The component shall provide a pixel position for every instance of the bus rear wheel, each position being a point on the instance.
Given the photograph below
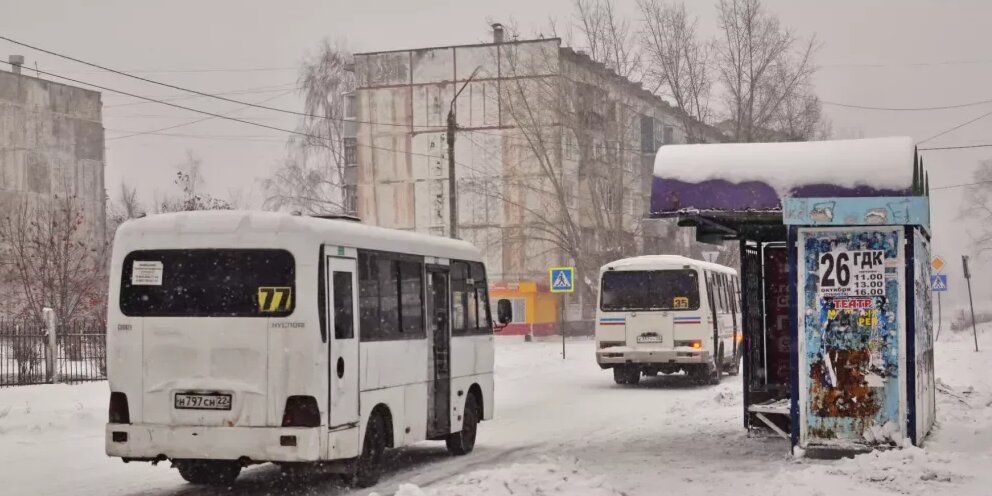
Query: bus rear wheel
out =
(626, 374)
(368, 466)
(209, 472)
(463, 442)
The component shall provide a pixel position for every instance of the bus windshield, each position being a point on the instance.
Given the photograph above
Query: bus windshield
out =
(632, 290)
(208, 283)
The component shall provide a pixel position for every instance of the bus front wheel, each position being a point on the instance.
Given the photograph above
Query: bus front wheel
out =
(209, 472)
(463, 442)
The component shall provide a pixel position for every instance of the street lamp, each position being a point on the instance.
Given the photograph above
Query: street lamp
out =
(452, 124)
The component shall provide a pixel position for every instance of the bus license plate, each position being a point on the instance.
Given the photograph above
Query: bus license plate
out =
(188, 401)
(648, 339)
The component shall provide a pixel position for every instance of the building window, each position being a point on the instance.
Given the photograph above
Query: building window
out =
(647, 134)
(669, 137)
(350, 199)
(350, 106)
(350, 151)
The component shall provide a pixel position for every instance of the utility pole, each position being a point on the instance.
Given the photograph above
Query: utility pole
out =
(971, 301)
(452, 124)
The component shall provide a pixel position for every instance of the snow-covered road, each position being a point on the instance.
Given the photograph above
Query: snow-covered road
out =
(561, 427)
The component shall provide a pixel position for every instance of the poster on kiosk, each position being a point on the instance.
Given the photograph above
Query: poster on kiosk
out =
(861, 295)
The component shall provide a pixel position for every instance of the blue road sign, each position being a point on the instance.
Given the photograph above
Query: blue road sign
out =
(938, 282)
(562, 279)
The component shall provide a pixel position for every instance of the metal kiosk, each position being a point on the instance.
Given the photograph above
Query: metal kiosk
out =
(834, 242)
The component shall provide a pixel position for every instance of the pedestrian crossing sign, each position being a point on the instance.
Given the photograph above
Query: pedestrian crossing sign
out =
(938, 282)
(562, 279)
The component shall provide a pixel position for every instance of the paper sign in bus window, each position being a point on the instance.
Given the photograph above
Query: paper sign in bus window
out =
(274, 299)
(680, 302)
(146, 273)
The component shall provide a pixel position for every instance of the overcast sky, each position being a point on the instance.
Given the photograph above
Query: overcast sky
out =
(893, 53)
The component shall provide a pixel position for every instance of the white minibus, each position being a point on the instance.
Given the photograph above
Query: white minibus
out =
(237, 338)
(666, 313)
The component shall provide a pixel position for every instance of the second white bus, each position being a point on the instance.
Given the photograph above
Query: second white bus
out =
(238, 338)
(666, 314)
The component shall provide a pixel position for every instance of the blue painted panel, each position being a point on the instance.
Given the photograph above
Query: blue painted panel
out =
(850, 364)
(882, 211)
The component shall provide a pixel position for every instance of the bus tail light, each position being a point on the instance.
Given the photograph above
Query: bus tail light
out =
(301, 411)
(695, 344)
(119, 412)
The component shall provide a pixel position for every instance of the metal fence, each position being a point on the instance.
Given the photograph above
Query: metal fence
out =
(26, 357)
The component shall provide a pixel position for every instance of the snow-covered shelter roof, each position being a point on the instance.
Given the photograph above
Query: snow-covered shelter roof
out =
(752, 177)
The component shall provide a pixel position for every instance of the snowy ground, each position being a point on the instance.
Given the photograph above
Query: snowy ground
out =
(561, 427)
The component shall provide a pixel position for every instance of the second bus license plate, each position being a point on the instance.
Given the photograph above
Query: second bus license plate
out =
(191, 401)
(648, 339)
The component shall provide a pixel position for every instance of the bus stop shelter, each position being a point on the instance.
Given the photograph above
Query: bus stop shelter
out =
(834, 243)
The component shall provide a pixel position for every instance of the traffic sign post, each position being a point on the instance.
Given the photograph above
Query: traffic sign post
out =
(937, 264)
(561, 280)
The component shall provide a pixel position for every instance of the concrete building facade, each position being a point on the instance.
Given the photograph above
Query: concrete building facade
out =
(52, 143)
(546, 137)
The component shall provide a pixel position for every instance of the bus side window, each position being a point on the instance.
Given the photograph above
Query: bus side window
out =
(459, 273)
(344, 319)
(481, 291)
(411, 299)
(368, 295)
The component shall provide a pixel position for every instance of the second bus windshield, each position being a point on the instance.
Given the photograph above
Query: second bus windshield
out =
(631, 290)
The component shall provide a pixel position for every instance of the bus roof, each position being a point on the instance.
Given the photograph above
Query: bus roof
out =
(329, 231)
(656, 262)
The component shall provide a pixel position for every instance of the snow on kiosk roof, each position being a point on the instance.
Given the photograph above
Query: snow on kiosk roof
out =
(755, 177)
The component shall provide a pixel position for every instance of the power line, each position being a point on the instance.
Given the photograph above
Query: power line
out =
(960, 147)
(965, 185)
(184, 124)
(192, 71)
(955, 128)
(909, 64)
(234, 119)
(176, 98)
(180, 88)
(905, 109)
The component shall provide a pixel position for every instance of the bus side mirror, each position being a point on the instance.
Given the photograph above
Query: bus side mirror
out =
(504, 312)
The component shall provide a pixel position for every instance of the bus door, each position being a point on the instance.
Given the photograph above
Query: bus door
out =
(712, 302)
(439, 385)
(341, 284)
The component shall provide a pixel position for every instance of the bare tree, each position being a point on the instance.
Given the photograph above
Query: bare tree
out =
(679, 62)
(977, 205)
(189, 180)
(125, 207)
(767, 74)
(570, 184)
(608, 37)
(54, 259)
(312, 177)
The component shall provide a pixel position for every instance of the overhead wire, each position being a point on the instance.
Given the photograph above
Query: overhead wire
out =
(906, 109)
(190, 123)
(955, 128)
(220, 116)
(196, 92)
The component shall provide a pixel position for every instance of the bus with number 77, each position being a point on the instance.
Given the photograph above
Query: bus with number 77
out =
(238, 338)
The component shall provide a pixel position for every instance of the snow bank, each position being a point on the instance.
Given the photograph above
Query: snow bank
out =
(881, 163)
(543, 477)
(53, 407)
